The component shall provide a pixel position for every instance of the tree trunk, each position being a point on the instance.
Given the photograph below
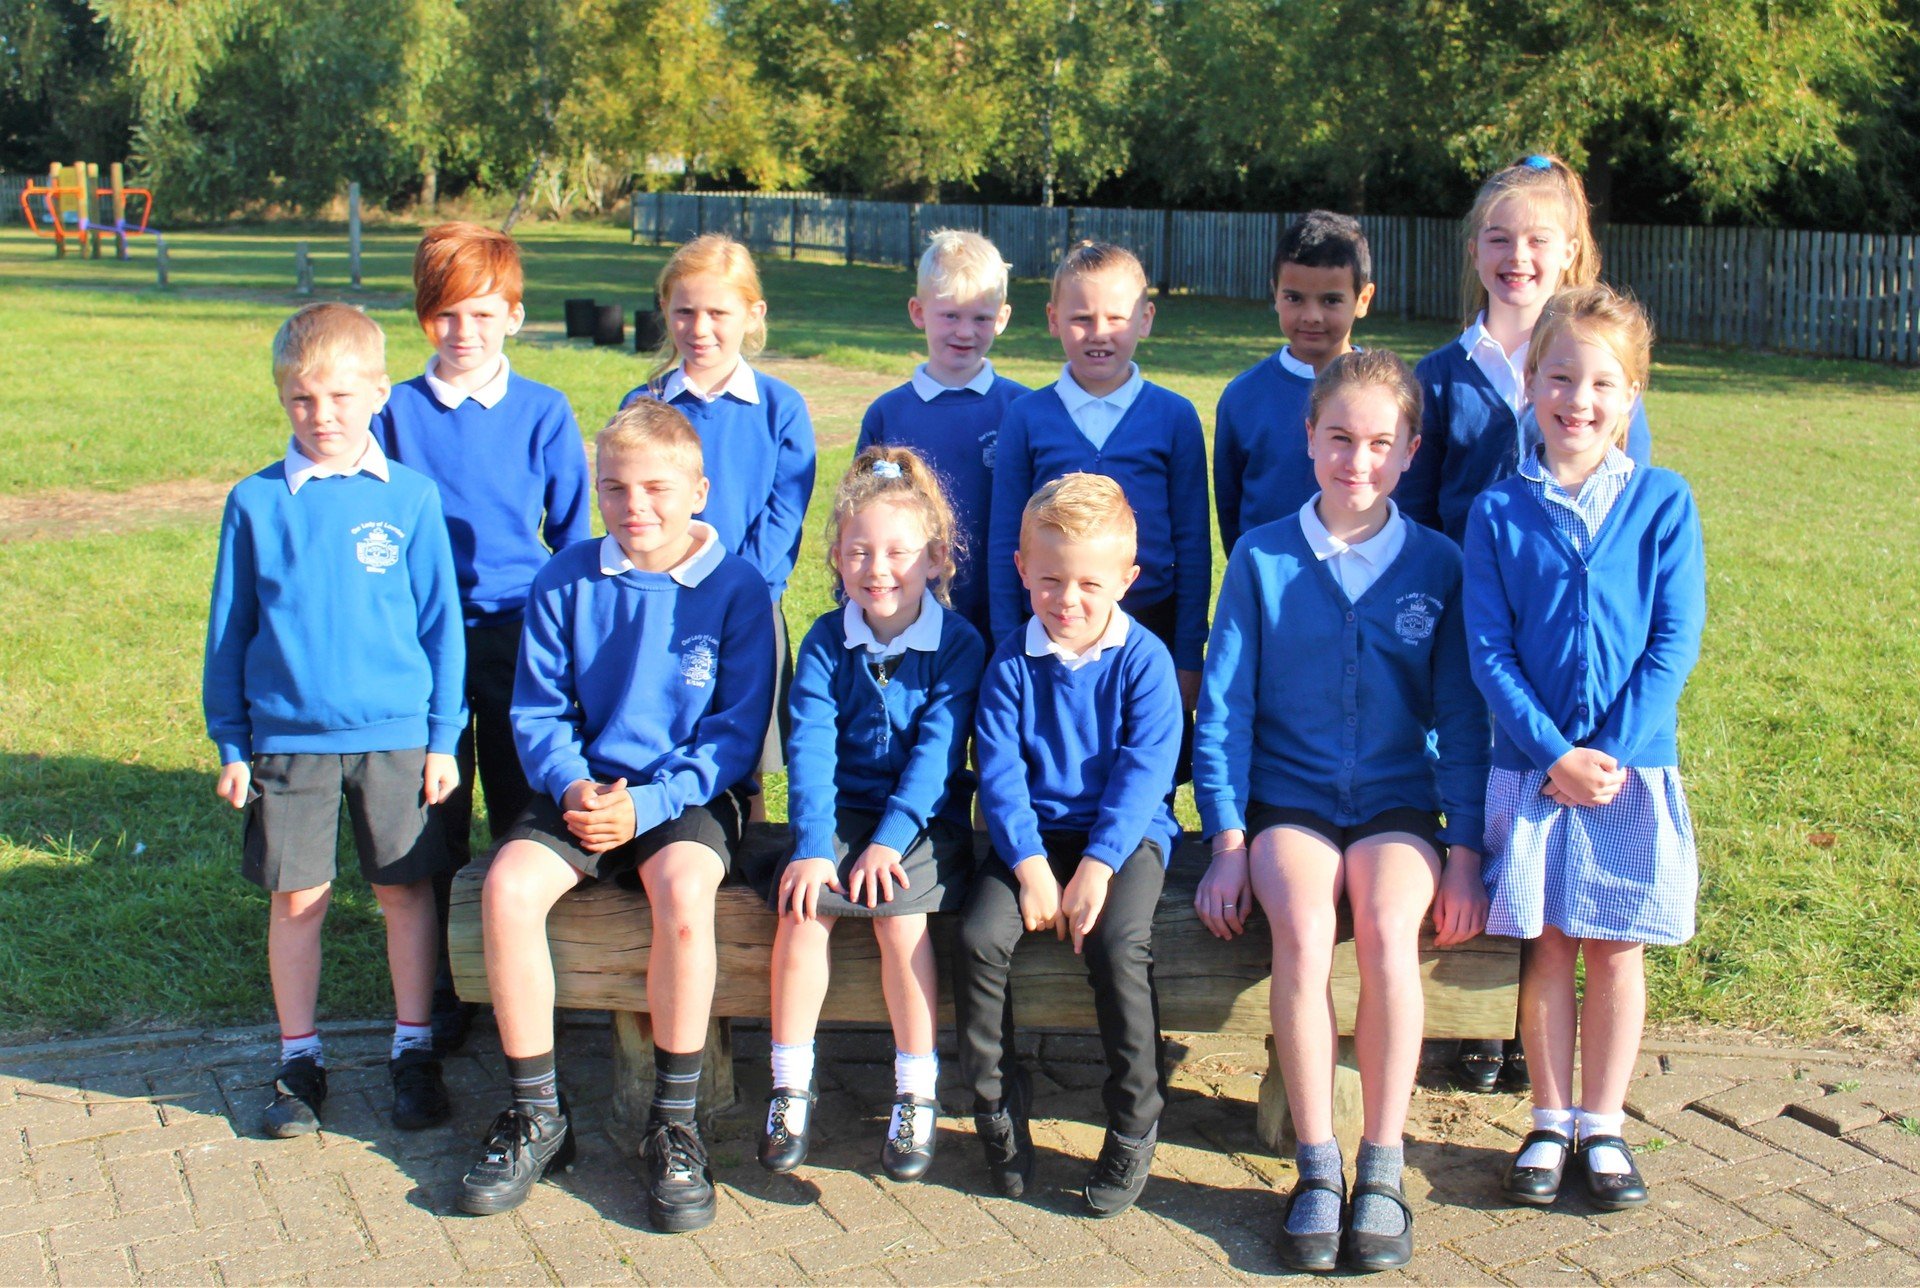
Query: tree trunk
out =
(526, 190)
(429, 183)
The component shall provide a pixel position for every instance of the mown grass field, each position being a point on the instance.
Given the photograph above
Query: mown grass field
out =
(125, 410)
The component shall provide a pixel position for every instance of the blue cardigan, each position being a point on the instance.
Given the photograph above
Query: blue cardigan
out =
(513, 479)
(1592, 652)
(1313, 702)
(1261, 470)
(637, 676)
(957, 433)
(1158, 456)
(759, 461)
(1469, 440)
(1091, 750)
(898, 750)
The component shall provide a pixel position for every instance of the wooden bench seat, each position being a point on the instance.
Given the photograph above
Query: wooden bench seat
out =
(600, 937)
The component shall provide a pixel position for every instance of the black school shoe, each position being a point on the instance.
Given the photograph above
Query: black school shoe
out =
(1478, 1066)
(1513, 1068)
(419, 1091)
(1368, 1252)
(782, 1150)
(299, 1089)
(1314, 1254)
(680, 1193)
(520, 1149)
(452, 1020)
(1612, 1191)
(1120, 1173)
(1008, 1137)
(905, 1155)
(1537, 1186)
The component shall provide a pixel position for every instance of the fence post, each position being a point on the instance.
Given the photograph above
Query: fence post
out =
(302, 271)
(633, 218)
(1166, 251)
(353, 234)
(849, 230)
(793, 228)
(118, 175)
(744, 220)
(913, 231)
(160, 260)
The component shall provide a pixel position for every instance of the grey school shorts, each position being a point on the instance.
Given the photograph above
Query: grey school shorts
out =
(292, 819)
(716, 825)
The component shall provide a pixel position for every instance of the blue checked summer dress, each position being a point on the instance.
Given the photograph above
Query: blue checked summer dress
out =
(1622, 871)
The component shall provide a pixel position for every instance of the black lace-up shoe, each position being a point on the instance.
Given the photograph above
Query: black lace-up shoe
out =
(419, 1092)
(781, 1148)
(1008, 1139)
(299, 1090)
(520, 1148)
(1120, 1173)
(908, 1151)
(679, 1182)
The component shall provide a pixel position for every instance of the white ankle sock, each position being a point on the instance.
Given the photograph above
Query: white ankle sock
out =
(795, 1117)
(924, 1121)
(307, 1044)
(916, 1075)
(1608, 1160)
(793, 1066)
(1546, 1153)
(410, 1037)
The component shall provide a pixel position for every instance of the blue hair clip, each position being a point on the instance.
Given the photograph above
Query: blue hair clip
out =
(886, 470)
(1536, 162)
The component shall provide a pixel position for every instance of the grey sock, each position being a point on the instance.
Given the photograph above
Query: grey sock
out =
(1378, 1165)
(1317, 1212)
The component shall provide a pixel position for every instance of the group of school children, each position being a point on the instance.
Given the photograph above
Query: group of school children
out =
(1023, 579)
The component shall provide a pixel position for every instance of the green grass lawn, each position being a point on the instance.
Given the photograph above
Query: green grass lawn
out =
(120, 901)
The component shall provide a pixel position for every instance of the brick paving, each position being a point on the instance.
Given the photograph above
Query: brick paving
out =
(135, 1161)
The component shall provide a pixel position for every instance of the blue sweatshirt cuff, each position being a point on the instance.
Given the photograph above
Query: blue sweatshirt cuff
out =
(813, 838)
(234, 753)
(896, 831)
(443, 736)
(1221, 814)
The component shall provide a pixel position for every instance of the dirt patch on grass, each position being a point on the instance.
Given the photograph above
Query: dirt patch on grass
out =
(837, 396)
(63, 514)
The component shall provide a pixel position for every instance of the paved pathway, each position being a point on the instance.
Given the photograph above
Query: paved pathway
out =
(123, 1162)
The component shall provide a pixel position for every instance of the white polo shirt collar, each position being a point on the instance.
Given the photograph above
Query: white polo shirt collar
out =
(1039, 643)
(1292, 365)
(689, 572)
(449, 396)
(923, 635)
(301, 468)
(929, 389)
(1507, 373)
(1097, 417)
(1357, 566)
(740, 385)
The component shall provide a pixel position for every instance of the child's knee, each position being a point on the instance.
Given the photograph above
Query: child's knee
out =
(900, 934)
(681, 882)
(300, 905)
(403, 899)
(989, 942)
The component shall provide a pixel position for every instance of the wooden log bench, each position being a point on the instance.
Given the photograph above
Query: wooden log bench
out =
(600, 936)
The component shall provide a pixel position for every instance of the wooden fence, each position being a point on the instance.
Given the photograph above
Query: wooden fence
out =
(1843, 295)
(11, 186)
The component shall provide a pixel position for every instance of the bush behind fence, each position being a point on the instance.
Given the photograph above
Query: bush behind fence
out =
(1845, 295)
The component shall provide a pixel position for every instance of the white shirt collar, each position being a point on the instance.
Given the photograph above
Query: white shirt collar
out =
(689, 572)
(923, 635)
(1076, 398)
(300, 467)
(1377, 551)
(1292, 365)
(929, 389)
(449, 396)
(1039, 643)
(740, 384)
(1506, 372)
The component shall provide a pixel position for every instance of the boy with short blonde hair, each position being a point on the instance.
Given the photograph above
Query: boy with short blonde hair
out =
(333, 664)
(950, 411)
(1077, 733)
(646, 676)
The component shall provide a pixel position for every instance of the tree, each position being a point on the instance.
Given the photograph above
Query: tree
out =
(64, 92)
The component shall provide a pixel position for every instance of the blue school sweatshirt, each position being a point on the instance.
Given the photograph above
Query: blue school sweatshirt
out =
(513, 480)
(1469, 440)
(898, 750)
(759, 464)
(1158, 456)
(1312, 702)
(335, 621)
(956, 433)
(1091, 750)
(1261, 470)
(1585, 652)
(634, 675)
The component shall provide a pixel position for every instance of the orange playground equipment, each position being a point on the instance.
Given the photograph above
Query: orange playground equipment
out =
(73, 205)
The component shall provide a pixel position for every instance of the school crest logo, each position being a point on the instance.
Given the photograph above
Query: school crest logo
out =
(699, 654)
(1414, 617)
(989, 447)
(378, 547)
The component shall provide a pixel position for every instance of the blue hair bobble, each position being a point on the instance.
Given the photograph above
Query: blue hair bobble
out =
(886, 470)
(1536, 162)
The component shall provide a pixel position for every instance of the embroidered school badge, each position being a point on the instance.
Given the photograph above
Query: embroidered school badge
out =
(1414, 617)
(989, 445)
(379, 546)
(699, 654)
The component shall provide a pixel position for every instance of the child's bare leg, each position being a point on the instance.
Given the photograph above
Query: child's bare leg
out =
(524, 882)
(1296, 876)
(1547, 1017)
(294, 919)
(908, 979)
(681, 881)
(1390, 884)
(1612, 1015)
(413, 946)
(801, 969)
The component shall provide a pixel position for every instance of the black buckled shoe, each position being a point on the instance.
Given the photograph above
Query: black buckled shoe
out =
(781, 1147)
(680, 1193)
(1513, 1068)
(1007, 1136)
(1314, 1254)
(1612, 1191)
(1368, 1252)
(419, 1091)
(299, 1089)
(1537, 1186)
(1477, 1067)
(907, 1152)
(1120, 1173)
(520, 1149)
